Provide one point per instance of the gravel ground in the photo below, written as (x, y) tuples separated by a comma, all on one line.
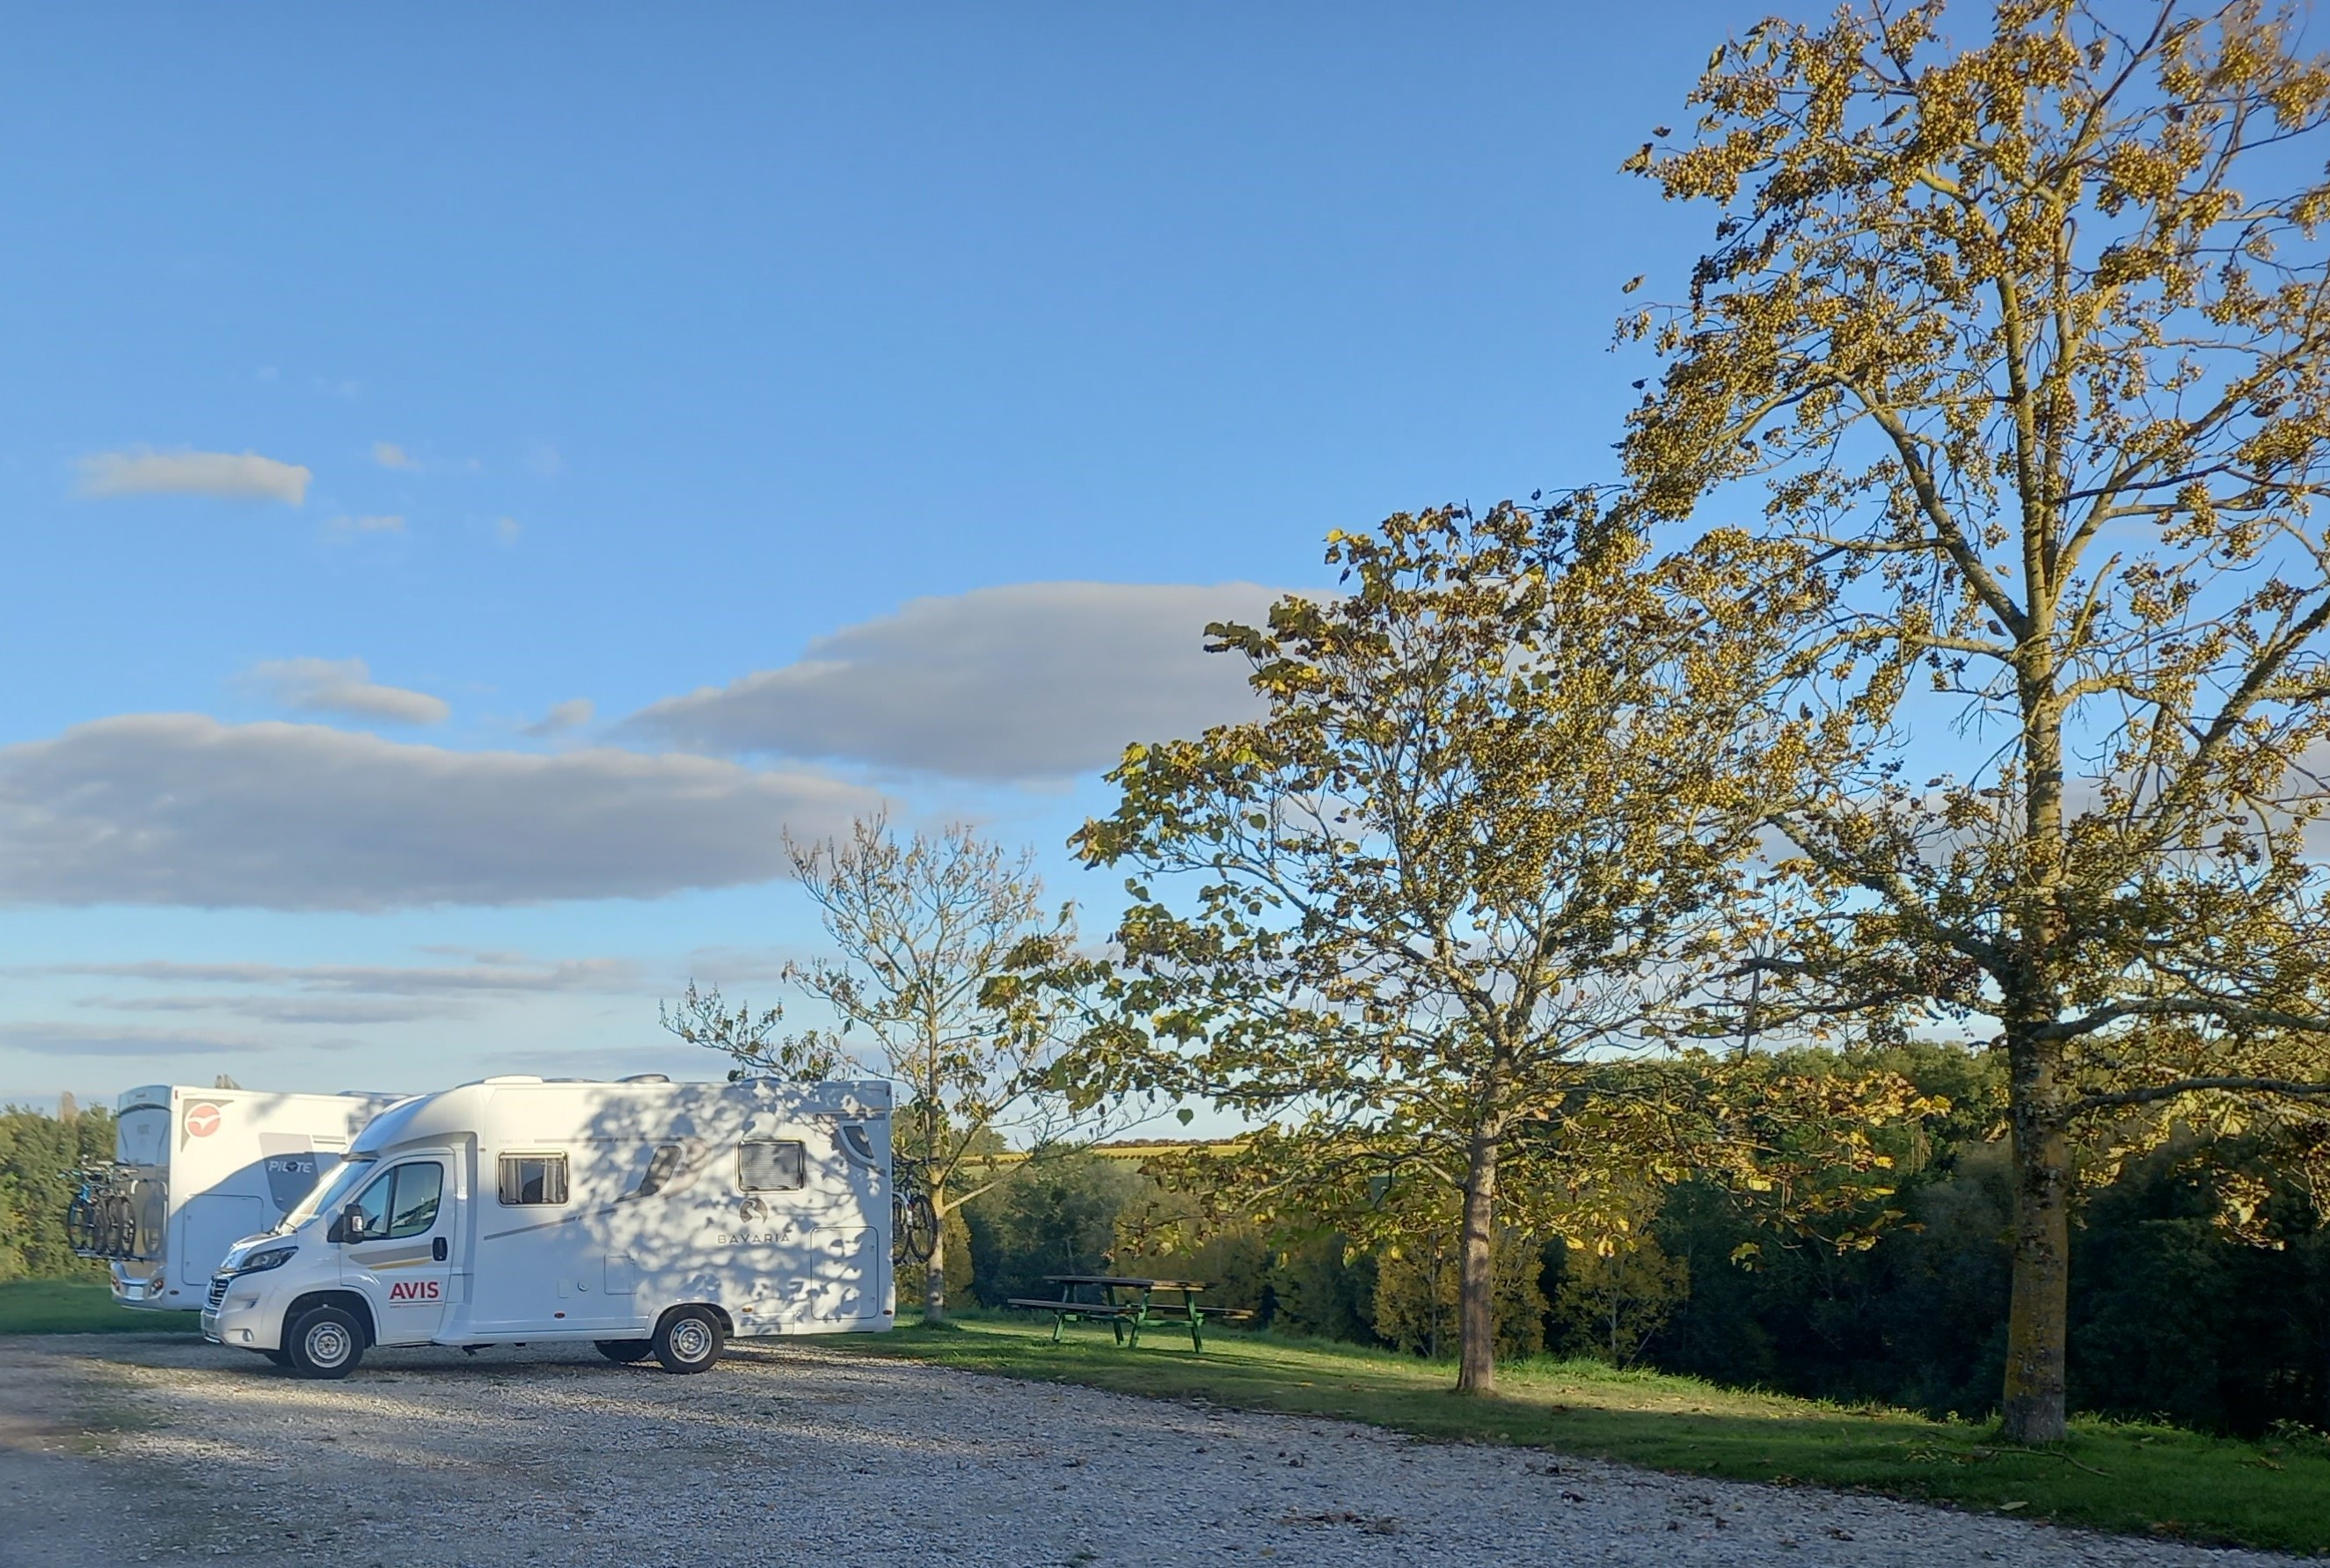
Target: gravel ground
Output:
[(117, 1451)]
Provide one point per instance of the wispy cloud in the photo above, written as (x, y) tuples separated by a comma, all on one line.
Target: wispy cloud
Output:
[(388, 454), (345, 686), (571, 714), (1034, 680), (349, 1010), (507, 529), (178, 808), (488, 974), (244, 475), (43, 1038)]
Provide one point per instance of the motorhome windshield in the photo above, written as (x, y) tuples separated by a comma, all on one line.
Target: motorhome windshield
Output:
[(324, 1195)]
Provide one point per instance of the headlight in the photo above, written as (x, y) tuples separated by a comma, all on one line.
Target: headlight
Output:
[(258, 1262)]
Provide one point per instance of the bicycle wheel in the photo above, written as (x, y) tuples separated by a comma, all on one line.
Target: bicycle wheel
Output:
[(120, 1228), (80, 1224), (914, 1227)]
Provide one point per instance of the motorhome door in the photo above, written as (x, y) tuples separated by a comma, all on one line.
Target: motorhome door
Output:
[(398, 1239)]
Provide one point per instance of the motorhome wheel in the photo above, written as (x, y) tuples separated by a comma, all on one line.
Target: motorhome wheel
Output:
[(625, 1351), (325, 1343), (688, 1339)]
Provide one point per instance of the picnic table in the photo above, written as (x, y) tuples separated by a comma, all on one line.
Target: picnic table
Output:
[(1128, 1305)]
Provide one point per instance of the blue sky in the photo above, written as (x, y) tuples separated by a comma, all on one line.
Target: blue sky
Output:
[(385, 387)]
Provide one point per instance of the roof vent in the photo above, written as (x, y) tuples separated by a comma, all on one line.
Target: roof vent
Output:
[(512, 1078), (646, 1078)]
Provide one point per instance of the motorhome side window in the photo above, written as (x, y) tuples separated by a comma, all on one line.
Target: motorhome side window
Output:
[(402, 1201), (529, 1179), (769, 1165)]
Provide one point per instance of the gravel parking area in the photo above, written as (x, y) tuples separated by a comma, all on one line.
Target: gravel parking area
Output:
[(116, 1450)]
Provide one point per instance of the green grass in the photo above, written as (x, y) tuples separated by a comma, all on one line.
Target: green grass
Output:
[(80, 1307), (2136, 1479)]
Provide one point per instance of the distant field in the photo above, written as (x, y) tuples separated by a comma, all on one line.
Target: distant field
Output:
[(2129, 1479), (80, 1307)]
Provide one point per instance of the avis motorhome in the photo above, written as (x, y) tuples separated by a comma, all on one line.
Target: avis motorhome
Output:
[(647, 1217), (196, 1168)]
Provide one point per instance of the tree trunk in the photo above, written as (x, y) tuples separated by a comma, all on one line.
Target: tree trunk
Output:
[(2031, 1407), (2039, 1310), (934, 1271), (1476, 1315)]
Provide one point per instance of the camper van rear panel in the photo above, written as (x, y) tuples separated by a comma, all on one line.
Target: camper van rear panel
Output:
[(208, 1167)]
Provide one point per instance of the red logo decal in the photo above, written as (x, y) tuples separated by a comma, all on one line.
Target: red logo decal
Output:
[(202, 1118), (414, 1290)]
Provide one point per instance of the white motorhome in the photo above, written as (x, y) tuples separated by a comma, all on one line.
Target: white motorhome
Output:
[(196, 1168), (648, 1217)]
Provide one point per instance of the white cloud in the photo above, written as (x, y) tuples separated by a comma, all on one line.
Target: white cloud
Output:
[(345, 686), (486, 974), (51, 1039), (343, 993), (507, 529), (244, 475), (178, 808), (1038, 680), (347, 527), (340, 1010), (388, 454), (571, 714)]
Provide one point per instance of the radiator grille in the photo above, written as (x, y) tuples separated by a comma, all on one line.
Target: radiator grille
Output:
[(218, 1290)]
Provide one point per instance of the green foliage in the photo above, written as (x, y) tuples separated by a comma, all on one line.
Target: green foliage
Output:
[(1324, 1289), (1416, 1297), (1049, 1216), (1410, 915), (1612, 1302), (38, 1156), (749, 1039)]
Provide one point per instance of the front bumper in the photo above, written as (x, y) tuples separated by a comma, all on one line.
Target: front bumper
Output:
[(233, 1314)]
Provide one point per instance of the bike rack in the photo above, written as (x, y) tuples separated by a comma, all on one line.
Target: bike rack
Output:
[(109, 1218)]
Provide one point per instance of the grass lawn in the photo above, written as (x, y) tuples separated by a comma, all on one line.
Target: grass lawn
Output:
[(2132, 1478), (80, 1307)]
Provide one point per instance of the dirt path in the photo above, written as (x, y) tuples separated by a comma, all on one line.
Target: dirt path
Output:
[(116, 1450)]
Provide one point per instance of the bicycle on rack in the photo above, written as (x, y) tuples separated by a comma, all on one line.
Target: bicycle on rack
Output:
[(914, 1218), (101, 1220)]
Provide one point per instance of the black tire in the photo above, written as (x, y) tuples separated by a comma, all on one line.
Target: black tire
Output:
[(624, 1352), (81, 1225), (689, 1339), (327, 1341), (914, 1227)]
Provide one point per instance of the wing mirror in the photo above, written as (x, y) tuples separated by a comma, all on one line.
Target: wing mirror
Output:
[(348, 1227)]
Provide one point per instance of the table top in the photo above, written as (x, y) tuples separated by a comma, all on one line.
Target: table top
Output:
[(1127, 1283)]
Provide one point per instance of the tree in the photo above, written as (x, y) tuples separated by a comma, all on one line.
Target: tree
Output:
[(701, 1017), (39, 1158), (925, 927), (2026, 340), (1615, 1296), (1477, 840)]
